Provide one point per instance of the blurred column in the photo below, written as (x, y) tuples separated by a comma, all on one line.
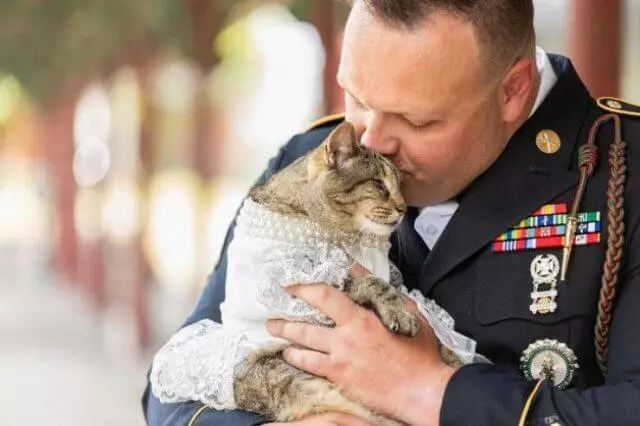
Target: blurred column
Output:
[(127, 272), (91, 163), (90, 265), (208, 143), (145, 68), (595, 44), (57, 138), (206, 23), (323, 19)]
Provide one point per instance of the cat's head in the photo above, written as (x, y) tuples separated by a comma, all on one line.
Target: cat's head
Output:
[(352, 188)]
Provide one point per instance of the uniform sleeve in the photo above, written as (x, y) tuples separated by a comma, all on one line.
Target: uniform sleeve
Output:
[(208, 307), (482, 395)]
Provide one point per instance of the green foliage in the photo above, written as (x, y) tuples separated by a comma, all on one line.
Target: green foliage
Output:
[(45, 43), (48, 43), (301, 9)]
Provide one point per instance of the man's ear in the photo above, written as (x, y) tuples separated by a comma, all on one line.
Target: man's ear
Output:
[(340, 146), (516, 88)]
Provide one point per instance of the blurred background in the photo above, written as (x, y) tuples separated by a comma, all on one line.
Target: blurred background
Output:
[(129, 133)]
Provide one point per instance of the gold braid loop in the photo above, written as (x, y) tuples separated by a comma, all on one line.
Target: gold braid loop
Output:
[(615, 236)]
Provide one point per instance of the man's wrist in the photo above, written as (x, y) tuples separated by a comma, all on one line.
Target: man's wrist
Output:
[(425, 397)]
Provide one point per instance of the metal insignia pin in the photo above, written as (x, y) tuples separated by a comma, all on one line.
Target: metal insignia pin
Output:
[(548, 141), (544, 273), (551, 360)]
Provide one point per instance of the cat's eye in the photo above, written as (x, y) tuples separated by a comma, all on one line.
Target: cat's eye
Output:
[(379, 184)]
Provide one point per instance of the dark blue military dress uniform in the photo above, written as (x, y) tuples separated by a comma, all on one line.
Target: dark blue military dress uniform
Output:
[(486, 267)]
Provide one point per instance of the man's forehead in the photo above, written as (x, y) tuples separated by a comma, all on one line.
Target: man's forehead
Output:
[(393, 67)]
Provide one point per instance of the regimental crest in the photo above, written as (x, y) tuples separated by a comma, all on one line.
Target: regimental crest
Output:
[(550, 360)]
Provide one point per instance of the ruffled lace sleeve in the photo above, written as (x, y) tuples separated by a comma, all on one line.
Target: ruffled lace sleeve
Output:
[(198, 364)]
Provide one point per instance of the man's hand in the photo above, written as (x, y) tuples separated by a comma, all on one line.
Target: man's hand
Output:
[(329, 419), (403, 378)]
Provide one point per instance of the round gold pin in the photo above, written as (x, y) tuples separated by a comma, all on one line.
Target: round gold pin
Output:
[(548, 141), (614, 104)]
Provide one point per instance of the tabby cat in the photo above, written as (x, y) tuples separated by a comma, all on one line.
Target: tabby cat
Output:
[(340, 186)]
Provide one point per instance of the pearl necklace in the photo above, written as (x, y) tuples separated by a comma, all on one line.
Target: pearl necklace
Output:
[(259, 222)]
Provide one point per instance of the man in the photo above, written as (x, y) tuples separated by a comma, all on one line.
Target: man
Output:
[(488, 132)]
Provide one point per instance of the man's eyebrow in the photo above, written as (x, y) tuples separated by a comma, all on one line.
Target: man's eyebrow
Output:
[(355, 98), (408, 116), (348, 92)]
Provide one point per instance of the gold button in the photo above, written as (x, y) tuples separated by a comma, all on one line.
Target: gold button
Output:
[(548, 141), (614, 104)]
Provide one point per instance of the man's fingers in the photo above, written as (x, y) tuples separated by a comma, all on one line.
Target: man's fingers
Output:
[(332, 302), (308, 335), (310, 361), (411, 305)]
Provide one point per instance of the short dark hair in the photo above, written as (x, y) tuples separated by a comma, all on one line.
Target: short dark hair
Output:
[(504, 27)]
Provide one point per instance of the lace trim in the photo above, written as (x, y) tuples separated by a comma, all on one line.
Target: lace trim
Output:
[(295, 265), (198, 364), (443, 326)]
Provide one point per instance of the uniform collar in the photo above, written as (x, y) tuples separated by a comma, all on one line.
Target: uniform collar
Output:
[(547, 75)]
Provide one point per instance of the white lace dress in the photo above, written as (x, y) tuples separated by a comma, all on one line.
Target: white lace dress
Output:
[(269, 252)]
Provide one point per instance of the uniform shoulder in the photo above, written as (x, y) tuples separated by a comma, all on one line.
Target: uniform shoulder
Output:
[(310, 138), (326, 121), (619, 106)]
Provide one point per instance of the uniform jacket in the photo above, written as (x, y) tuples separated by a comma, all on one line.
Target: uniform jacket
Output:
[(488, 293)]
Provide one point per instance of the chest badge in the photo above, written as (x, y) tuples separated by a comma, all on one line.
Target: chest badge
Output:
[(544, 273), (548, 141), (550, 360)]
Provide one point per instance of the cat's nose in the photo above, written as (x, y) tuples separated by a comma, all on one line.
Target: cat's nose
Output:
[(401, 208)]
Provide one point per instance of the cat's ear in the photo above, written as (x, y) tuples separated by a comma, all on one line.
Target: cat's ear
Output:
[(341, 146)]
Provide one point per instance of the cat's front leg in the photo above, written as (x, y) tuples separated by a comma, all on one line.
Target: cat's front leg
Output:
[(386, 301)]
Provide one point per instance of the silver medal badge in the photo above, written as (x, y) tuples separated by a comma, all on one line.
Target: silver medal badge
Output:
[(544, 273)]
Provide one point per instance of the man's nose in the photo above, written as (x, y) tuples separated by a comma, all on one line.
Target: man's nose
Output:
[(374, 135)]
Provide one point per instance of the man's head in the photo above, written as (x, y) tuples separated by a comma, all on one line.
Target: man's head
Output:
[(438, 85)]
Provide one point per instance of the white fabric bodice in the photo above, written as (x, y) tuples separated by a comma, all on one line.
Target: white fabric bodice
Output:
[(270, 251)]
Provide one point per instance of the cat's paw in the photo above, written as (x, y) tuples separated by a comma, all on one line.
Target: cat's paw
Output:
[(398, 318)]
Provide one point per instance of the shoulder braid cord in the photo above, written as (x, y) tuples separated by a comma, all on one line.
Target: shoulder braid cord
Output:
[(587, 159)]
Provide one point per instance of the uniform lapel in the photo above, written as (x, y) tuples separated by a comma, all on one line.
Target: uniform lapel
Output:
[(519, 182)]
